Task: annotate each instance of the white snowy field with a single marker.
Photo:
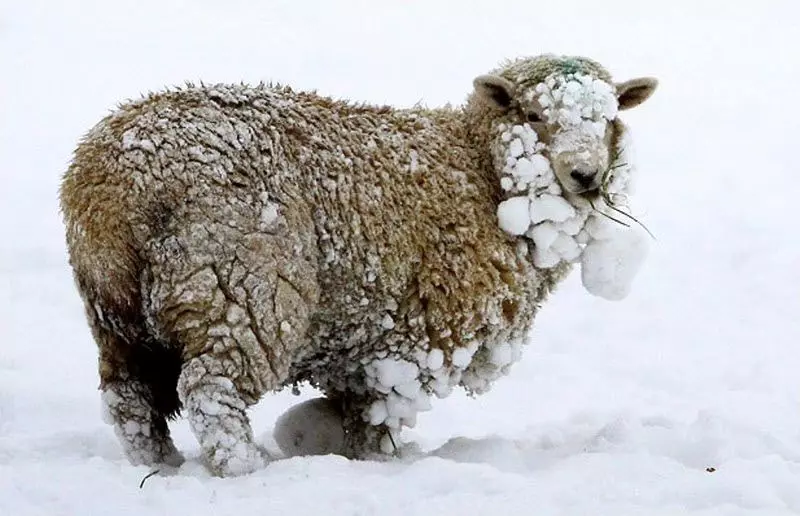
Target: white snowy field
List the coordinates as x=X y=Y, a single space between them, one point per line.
x=682 y=399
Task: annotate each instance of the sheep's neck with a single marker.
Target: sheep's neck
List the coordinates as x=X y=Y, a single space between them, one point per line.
x=480 y=122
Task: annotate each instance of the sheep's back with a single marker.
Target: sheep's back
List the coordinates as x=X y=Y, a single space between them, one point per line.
x=402 y=218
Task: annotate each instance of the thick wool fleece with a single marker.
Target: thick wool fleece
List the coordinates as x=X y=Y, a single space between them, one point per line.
x=525 y=73
x=231 y=240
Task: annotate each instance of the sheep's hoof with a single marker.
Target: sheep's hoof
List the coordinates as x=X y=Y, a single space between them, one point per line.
x=241 y=459
x=314 y=427
x=173 y=459
x=165 y=455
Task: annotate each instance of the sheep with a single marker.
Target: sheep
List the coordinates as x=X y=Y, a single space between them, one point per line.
x=232 y=240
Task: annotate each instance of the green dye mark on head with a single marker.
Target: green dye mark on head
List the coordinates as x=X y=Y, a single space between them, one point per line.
x=571 y=66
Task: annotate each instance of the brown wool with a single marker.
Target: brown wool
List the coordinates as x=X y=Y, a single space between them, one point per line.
x=229 y=241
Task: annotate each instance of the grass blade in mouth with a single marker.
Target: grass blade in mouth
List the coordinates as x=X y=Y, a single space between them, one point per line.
x=611 y=199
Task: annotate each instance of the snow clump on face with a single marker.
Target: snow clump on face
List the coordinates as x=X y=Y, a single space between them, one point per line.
x=579 y=102
x=577 y=108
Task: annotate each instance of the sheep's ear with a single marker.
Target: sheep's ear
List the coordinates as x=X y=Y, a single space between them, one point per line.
x=494 y=89
x=635 y=91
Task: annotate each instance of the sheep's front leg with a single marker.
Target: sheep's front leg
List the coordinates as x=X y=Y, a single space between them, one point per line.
x=363 y=438
x=364 y=441
x=216 y=413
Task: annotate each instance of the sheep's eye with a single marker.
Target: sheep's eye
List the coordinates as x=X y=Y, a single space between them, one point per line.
x=533 y=117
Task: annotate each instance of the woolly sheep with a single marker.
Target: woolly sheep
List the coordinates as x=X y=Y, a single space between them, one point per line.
x=229 y=241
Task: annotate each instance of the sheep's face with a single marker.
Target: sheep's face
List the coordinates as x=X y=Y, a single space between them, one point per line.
x=574 y=117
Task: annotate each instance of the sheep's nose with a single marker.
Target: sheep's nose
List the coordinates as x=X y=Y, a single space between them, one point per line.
x=583 y=178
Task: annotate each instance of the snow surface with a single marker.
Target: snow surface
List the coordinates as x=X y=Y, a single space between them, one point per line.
x=682 y=399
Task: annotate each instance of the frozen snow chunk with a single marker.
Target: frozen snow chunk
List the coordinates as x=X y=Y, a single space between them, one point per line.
x=550 y=207
x=545 y=258
x=600 y=228
x=540 y=164
x=210 y=407
x=543 y=235
x=461 y=357
x=515 y=148
x=390 y=372
x=608 y=267
x=377 y=412
x=501 y=355
x=399 y=407
x=422 y=402
x=410 y=421
x=409 y=390
x=553 y=188
x=442 y=388
x=573 y=225
x=530 y=144
x=566 y=247
x=387 y=323
x=269 y=214
x=435 y=359
x=514 y=215
x=131 y=427
x=420 y=357
x=524 y=168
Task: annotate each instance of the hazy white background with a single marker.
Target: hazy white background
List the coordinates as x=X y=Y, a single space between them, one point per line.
x=617 y=408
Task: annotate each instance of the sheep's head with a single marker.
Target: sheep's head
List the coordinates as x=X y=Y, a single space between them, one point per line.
x=562 y=159
x=571 y=104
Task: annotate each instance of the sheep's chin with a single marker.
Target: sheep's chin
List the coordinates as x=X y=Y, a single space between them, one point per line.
x=591 y=194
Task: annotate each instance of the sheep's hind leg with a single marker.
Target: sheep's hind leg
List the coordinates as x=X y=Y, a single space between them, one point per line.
x=216 y=413
x=237 y=353
x=138 y=394
x=236 y=300
x=142 y=431
x=225 y=368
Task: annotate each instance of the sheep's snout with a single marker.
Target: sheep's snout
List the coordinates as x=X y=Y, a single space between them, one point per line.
x=579 y=162
x=580 y=172
x=587 y=180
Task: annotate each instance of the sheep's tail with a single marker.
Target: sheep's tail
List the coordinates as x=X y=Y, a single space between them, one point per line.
x=96 y=206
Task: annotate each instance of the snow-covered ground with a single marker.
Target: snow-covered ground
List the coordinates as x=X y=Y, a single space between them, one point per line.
x=682 y=399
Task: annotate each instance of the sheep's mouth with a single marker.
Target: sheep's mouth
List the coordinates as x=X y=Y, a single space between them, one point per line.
x=587 y=191
x=590 y=192
x=593 y=196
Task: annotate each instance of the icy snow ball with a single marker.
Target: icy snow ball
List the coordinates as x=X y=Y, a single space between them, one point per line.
x=313 y=427
x=513 y=215
x=609 y=266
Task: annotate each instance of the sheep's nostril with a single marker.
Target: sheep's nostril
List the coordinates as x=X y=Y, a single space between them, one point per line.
x=582 y=178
